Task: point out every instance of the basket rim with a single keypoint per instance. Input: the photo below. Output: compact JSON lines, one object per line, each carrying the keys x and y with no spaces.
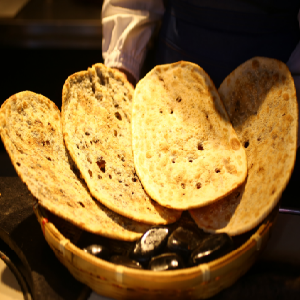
{"x":254,"y":241}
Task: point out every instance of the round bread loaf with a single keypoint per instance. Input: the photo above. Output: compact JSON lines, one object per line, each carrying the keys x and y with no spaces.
{"x":186,"y":151}
{"x":96,"y":120}
{"x":31,"y":132}
{"x":260,"y":99}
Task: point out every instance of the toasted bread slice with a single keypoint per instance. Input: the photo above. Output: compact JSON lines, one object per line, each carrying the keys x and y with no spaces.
{"x":186,"y":151}
{"x":260,"y":99}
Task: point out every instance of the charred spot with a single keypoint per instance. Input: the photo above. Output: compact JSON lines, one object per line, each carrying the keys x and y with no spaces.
{"x":81,"y":204}
{"x":18,"y":164}
{"x":101,"y":164}
{"x":118,"y":116}
{"x":200,"y":146}
{"x":246,"y":144}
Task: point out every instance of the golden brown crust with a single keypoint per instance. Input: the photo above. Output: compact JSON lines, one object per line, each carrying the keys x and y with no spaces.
{"x":186,"y":152}
{"x":260,"y":99}
{"x":31,"y":132}
{"x":96,"y":120}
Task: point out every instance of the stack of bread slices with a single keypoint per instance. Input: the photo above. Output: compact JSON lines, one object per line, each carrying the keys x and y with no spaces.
{"x":116,"y":161}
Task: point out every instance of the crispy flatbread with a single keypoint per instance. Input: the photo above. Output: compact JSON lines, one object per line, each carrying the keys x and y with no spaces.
{"x":96,"y":118}
{"x":31,"y":132}
{"x":186,"y":152}
{"x":260,"y":99}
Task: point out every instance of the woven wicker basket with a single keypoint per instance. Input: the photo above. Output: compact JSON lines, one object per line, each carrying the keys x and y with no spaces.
{"x":120,"y":282}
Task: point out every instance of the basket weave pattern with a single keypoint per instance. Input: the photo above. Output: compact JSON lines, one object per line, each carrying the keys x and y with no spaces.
{"x":120,"y":282}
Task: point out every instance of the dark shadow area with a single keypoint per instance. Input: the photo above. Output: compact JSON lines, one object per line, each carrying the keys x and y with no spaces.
{"x":22,"y":233}
{"x":265,"y":280}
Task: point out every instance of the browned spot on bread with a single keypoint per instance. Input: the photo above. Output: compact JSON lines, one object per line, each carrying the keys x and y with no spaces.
{"x":275,"y":77}
{"x":255,"y":64}
{"x":286,"y":96}
{"x":235,"y":144}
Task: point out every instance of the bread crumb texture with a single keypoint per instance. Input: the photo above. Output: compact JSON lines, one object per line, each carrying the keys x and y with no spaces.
{"x":260,"y":99}
{"x":32,"y":135}
{"x":96,"y":119}
{"x":186,"y":151}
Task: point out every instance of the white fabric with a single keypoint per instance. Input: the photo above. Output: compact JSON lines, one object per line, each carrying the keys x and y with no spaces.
{"x":127,"y":28}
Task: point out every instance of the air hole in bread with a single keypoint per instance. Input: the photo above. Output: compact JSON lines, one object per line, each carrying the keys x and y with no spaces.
{"x":217,"y":170}
{"x":118,"y":116}
{"x":173,"y":160}
{"x":258,"y":139}
{"x":91,"y":173}
{"x":190,"y":160}
{"x":49,"y":158}
{"x":46,"y":143}
{"x":198,"y":185}
{"x":115,"y":133}
{"x":81,"y":204}
{"x":246,"y":144}
{"x":178,"y":99}
{"x":77,"y":146}
{"x":18,"y":164}
{"x":99,"y":177}
{"x":134,"y":179}
{"x":101,"y":164}
{"x":200,"y":146}
{"x":110,"y":177}
{"x":116,"y":105}
{"x":171,"y":111}
{"x":237,"y":195}
{"x":183,"y":185}
{"x":87,"y":133}
{"x":89,"y":160}
{"x":160,"y":111}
